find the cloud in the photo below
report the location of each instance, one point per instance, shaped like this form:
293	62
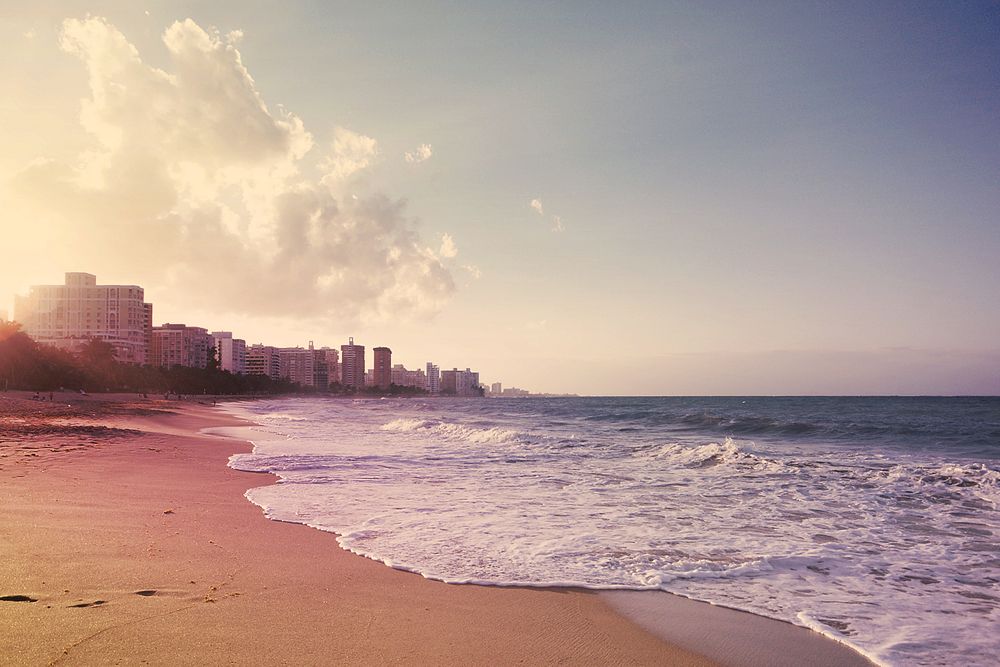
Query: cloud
422	153
473	271
194	184
350	153
30	34
557	223
448	248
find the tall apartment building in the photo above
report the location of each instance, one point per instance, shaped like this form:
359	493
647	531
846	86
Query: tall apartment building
460	383
306	366
496	389
352	364
433	378
69	315
332	364
383	367
180	345
263	360
232	352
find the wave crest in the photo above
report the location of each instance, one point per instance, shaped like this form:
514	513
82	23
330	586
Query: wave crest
712	454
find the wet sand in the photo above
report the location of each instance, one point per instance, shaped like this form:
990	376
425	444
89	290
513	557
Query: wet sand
124	537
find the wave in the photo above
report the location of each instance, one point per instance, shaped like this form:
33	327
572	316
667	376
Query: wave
712	454
453	431
976	478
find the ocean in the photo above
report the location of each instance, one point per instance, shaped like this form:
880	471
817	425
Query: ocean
875	521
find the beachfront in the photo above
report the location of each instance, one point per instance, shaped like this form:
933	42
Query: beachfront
132	541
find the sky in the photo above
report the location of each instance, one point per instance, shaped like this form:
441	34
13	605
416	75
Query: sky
637	198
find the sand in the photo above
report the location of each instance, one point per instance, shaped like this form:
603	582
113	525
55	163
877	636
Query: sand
124	538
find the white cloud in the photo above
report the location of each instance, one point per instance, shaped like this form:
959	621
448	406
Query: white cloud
30	34
350	153
473	271
557	223
422	153
448	247
193	182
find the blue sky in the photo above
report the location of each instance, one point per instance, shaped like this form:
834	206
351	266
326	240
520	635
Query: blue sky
804	179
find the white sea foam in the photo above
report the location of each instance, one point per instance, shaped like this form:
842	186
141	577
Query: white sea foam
895	555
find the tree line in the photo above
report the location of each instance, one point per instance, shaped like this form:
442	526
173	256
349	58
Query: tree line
27	364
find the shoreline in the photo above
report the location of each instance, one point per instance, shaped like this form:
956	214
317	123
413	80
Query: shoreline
725	635
139	545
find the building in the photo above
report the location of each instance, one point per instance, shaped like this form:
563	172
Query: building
72	314
433	378
147	327
496	389
263	360
383	367
460	383
305	366
232	352
352	365
332	364
402	377
180	345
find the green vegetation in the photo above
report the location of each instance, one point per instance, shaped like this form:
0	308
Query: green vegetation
25	364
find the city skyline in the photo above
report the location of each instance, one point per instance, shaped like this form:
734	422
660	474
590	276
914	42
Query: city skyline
663	199
70	315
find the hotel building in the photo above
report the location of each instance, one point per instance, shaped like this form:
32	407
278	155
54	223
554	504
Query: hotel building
69	315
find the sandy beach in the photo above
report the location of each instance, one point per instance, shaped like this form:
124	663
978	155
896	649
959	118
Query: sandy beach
125	538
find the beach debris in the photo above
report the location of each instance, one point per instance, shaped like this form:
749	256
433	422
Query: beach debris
146	593
17	598
168	511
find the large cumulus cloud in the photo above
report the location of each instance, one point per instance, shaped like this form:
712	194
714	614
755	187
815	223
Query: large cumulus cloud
192	181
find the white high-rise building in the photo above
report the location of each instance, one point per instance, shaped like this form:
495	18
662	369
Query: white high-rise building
69	315
232	352
433	378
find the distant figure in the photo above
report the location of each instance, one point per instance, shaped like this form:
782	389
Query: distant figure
51	397
35	397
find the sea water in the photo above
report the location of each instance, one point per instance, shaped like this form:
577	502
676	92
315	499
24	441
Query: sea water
875	521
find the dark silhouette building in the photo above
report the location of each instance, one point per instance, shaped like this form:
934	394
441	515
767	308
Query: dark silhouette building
383	367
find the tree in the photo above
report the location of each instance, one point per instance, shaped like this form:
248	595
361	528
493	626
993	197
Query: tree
213	363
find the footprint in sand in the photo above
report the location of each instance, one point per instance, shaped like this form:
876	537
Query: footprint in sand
17	598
